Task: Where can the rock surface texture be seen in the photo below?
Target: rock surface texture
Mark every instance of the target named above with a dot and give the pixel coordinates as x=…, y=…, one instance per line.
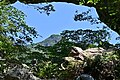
x=20, y=72
x=79, y=54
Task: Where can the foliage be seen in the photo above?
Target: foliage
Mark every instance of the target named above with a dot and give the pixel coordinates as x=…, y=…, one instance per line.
x=13, y=29
x=14, y=35
x=45, y=9
x=46, y=62
x=108, y=12
x=85, y=16
x=86, y=38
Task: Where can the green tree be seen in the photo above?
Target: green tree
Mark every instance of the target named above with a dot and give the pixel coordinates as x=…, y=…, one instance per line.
x=14, y=34
x=87, y=38
x=13, y=29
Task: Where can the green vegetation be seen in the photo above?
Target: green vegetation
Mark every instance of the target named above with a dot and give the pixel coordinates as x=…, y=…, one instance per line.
x=15, y=34
x=56, y=53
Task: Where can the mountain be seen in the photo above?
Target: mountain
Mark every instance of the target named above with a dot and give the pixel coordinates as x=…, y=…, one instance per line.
x=52, y=40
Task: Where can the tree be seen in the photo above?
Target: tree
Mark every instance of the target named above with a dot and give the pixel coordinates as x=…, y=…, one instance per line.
x=14, y=34
x=108, y=10
x=87, y=38
x=13, y=29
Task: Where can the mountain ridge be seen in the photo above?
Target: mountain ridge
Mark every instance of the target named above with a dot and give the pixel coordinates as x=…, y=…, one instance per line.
x=51, y=40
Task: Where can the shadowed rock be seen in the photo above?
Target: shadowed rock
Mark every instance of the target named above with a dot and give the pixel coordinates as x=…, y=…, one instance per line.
x=20, y=72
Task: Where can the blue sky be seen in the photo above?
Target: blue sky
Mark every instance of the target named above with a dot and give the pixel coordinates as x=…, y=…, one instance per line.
x=61, y=19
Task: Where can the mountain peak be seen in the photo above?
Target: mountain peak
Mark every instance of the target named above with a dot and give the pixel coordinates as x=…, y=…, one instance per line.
x=52, y=40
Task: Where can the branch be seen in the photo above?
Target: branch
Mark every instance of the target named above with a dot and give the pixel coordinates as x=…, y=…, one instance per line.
x=43, y=1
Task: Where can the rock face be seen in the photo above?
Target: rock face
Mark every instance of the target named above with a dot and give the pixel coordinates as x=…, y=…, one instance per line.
x=78, y=54
x=95, y=51
x=20, y=72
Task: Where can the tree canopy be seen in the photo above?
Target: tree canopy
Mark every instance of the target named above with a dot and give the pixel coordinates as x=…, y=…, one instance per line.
x=108, y=10
x=14, y=31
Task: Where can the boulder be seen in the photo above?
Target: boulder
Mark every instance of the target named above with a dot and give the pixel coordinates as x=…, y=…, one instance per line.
x=94, y=51
x=20, y=72
x=79, y=55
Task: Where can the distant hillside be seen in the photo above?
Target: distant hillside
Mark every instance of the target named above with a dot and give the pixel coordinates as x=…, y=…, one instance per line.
x=50, y=41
